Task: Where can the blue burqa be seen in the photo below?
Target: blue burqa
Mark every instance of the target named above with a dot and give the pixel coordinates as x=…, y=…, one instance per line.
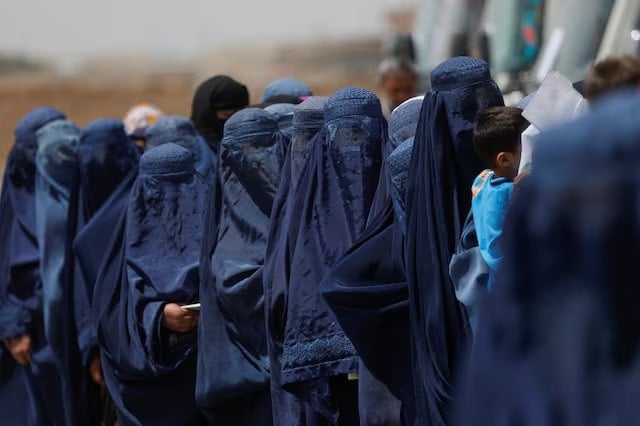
x=55, y=163
x=308, y=119
x=20, y=283
x=368, y=293
x=443, y=167
x=233, y=366
x=150, y=370
x=558, y=342
x=333, y=201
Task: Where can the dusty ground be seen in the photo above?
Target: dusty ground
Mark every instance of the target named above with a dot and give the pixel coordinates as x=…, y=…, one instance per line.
x=109, y=86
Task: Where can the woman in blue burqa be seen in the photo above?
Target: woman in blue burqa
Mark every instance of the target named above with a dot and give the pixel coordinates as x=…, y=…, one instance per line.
x=382, y=289
x=329, y=212
x=106, y=167
x=233, y=367
x=367, y=289
x=558, y=342
x=22, y=326
x=147, y=340
x=308, y=119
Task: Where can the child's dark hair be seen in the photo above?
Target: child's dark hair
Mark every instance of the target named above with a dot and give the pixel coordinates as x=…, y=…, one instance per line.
x=498, y=129
x=611, y=75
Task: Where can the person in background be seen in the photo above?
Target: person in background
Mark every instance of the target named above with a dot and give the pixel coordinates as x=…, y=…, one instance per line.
x=138, y=119
x=496, y=140
x=398, y=80
x=214, y=101
x=286, y=87
x=611, y=75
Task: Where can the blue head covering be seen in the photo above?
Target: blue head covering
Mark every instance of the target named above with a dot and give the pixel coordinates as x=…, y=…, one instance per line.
x=402, y=126
x=333, y=202
x=181, y=131
x=403, y=122
x=561, y=322
x=308, y=119
x=18, y=229
x=56, y=166
x=286, y=86
x=107, y=164
x=232, y=361
x=106, y=156
x=164, y=221
x=20, y=284
x=283, y=115
x=438, y=198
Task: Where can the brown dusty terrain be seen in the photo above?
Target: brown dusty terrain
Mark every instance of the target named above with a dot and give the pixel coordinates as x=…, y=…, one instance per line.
x=109, y=86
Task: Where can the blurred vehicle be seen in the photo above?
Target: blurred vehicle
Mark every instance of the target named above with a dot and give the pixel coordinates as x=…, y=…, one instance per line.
x=622, y=36
x=525, y=39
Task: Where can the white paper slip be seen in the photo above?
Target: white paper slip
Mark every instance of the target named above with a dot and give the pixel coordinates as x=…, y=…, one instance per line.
x=193, y=307
x=555, y=102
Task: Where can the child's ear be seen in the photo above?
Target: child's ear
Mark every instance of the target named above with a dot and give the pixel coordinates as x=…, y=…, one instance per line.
x=503, y=160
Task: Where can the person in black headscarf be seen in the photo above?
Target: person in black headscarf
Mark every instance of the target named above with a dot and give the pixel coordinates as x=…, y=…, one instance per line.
x=559, y=339
x=21, y=317
x=214, y=101
x=443, y=167
x=147, y=339
x=233, y=366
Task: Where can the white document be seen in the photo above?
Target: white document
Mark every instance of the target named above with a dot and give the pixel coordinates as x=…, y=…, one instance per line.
x=194, y=307
x=556, y=102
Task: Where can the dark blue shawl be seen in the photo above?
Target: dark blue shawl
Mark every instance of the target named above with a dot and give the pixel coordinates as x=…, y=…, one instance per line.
x=20, y=283
x=560, y=326
x=308, y=119
x=233, y=362
x=150, y=371
x=333, y=202
x=438, y=196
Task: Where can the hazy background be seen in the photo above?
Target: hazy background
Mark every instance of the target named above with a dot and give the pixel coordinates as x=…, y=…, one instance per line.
x=54, y=28
x=95, y=59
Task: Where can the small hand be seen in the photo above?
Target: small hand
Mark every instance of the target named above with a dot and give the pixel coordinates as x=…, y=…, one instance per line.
x=95, y=370
x=179, y=320
x=20, y=349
